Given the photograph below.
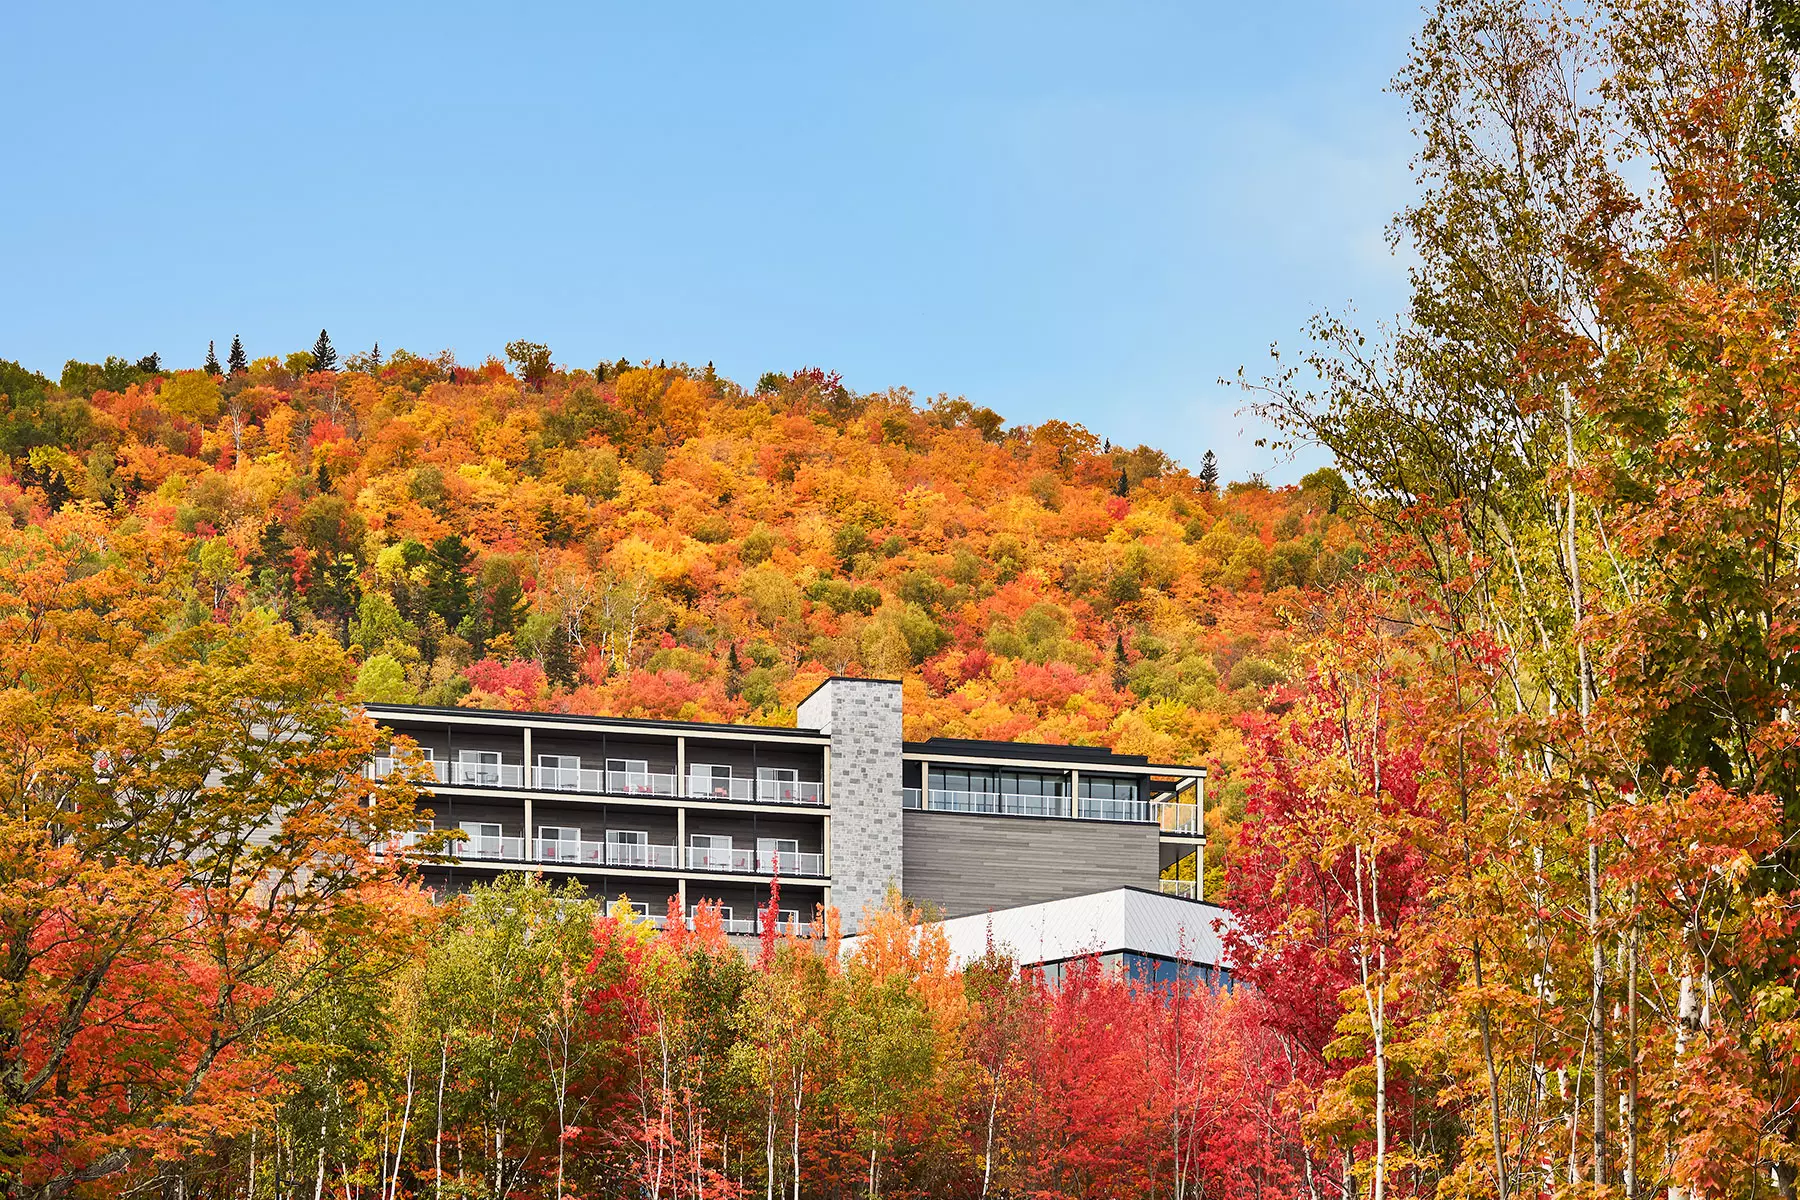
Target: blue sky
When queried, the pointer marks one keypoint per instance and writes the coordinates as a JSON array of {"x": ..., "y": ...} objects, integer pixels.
[{"x": 1089, "y": 212}]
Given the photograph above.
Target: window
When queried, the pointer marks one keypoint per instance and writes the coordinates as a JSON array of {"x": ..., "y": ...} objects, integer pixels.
[
  {"x": 709, "y": 851},
  {"x": 481, "y": 839},
  {"x": 777, "y": 785},
  {"x": 778, "y": 854},
  {"x": 709, "y": 779},
  {"x": 627, "y": 848},
  {"x": 724, "y": 913},
  {"x": 479, "y": 767},
  {"x": 1107, "y": 787},
  {"x": 559, "y": 771},
  {"x": 628, "y": 775},
  {"x": 559, "y": 843}
]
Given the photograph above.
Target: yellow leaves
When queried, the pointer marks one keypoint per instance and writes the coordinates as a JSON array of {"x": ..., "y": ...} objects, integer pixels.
[{"x": 190, "y": 394}]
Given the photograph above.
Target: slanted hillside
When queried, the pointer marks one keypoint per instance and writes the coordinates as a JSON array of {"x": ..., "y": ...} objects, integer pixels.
[{"x": 659, "y": 541}]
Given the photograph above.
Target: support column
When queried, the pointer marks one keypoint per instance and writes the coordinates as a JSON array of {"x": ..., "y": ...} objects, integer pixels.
[
  {"x": 1074, "y": 792},
  {"x": 531, "y": 846},
  {"x": 925, "y": 783},
  {"x": 681, "y": 766},
  {"x": 681, "y": 854},
  {"x": 530, "y": 779}
]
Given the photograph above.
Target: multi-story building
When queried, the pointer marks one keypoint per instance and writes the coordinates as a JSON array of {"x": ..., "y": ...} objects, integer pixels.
[{"x": 839, "y": 809}]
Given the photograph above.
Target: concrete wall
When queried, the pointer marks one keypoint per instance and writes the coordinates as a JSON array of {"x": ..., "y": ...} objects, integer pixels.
[
  {"x": 862, "y": 718},
  {"x": 968, "y": 863}
]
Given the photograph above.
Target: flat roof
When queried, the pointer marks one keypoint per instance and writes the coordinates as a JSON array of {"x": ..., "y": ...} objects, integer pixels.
[
  {"x": 937, "y": 746},
  {"x": 1122, "y": 919},
  {"x": 425, "y": 712},
  {"x": 1042, "y": 752}
]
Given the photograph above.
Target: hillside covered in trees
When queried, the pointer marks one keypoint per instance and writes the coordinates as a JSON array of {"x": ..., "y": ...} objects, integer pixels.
[{"x": 660, "y": 541}]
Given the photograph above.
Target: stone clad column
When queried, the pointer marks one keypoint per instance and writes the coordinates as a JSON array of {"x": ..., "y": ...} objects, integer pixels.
[{"x": 862, "y": 719}]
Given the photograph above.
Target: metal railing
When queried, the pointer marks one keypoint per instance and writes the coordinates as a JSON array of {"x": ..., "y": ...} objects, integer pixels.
[
  {"x": 720, "y": 858},
  {"x": 790, "y": 863},
  {"x": 1173, "y": 818},
  {"x": 594, "y": 782},
  {"x": 754, "y": 791},
  {"x": 1179, "y": 818},
  {"x": 648, "y": 855},
  {"x": 1103, "y": 808}
]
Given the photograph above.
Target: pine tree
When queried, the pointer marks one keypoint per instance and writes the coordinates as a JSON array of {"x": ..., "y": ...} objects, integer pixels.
[
  {"x": 236, "y": 360},
  {"x": 151, "y": 363},
  {"x": 1123, "y": 487},
  {"x": 734, "y": 673},
  {"x": 1209, "y": 472},
  {"x": 324, "y": 353},
  {"x": 375, "y": 355},
  {"x": 212, "y": 360}
]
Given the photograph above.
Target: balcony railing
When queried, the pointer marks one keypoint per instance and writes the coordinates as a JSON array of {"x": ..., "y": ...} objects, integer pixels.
[
  {"x": 641, "y": 855},
  {"x": 790, "y": 864},
  {"x": 1180, "y": 887},
  {"x": 594, "y": 782},
  {"x": 646, "y": 855},
  {"x": 578, "y": 852},
  {"x": 755, "y": 791},
  {"x": 1179, "y": 818},
  {"x": 1173, "y": 818},
  {"x": 1098, "y": 808}
]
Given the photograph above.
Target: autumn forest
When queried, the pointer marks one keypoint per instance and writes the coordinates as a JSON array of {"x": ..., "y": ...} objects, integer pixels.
[{"x": 1503, "y": 798}]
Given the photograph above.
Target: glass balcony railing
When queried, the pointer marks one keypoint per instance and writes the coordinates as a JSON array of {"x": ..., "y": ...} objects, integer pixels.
[
  {"x": 1179, "y": 818},
  {"x": 642, "y": 856},
  {"x": 1171, "y": 817},
  {"x": 1180, "y": 887},
  {"x": 594, "y": 782}
]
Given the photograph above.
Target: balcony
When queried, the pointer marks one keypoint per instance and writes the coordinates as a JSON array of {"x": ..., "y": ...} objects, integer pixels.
[
  {"x": 593, "y": 782},
  {"x": 744, "y": 861},
  {"x": 755, "y": 791},
  {"x": 1173, "y": 818},
  {"x": 634, "y": 856},
  {"x": 1188, "y": 888},
  {"x": 1180, "y": 818}
]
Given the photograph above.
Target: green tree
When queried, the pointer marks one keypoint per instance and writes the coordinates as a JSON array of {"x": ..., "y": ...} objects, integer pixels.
[
  {"x": 532, "y": 360},
  {"x": 237, "y": 362},
  {"x": 1209, "y": 472},
  {"x": 212, "y": 361},
  {"x": 324, "y": 354}
]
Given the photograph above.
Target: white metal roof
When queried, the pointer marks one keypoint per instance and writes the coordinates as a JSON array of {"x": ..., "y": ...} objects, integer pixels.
[{"x": 1100, "y": 923}]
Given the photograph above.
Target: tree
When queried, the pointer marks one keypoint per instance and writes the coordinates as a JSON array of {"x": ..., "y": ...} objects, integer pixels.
[
  {"x": 237, "y": 362},
  {"x": 153, "y": 929},
  {"x": 1209, "y": 472},
  {"x": 212, "y": 361},
  {"x": 1122, "y": 487},
  {"x": 324, "y": 354},
  {"x": 532, "y": 360}
]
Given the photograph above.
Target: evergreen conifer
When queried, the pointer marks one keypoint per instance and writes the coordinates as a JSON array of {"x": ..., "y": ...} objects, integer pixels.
[
  {"x": 236, "y": 360},
  {"x": 212, "y": 360},
  {"x": 324, "y": 354},
  {"x": 1123, "y": 487},
  {"x": 1209, "y": 472}
]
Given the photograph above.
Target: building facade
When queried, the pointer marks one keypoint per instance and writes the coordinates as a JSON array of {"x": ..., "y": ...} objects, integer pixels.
[
  {"x": 839, "y": 809},
  {"x": 1148, "y": 936}
]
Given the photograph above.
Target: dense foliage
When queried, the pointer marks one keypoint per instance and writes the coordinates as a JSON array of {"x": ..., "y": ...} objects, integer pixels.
[
  {"x": 656, "y": 541},
  {"x": 1517, "y": 885}
]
